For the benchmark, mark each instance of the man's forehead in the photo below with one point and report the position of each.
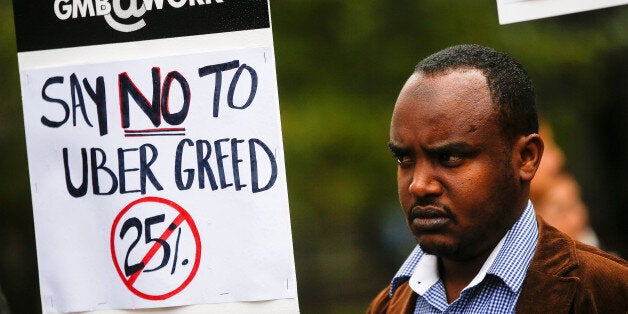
(451, 81)
(448, 106)
(456, 95)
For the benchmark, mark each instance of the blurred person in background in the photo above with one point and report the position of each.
(563, 208)
(464, 131)
(556, 193)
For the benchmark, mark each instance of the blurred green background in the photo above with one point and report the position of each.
(340, 67)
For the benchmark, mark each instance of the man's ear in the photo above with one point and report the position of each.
(528, 151)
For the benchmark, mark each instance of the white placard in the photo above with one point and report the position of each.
(174, 162)
(512, 11)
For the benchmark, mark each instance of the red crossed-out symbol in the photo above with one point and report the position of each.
(156, 268)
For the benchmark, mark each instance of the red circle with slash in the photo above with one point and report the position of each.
(182, 217)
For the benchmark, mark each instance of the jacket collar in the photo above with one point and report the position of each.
(554, 258)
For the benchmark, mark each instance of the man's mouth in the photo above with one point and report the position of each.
(428, 218)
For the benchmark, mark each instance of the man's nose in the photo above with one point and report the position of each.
(424, 181)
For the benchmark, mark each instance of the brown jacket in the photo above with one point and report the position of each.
(564, 276)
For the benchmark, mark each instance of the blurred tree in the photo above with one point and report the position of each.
(18, 267)
(340, 66)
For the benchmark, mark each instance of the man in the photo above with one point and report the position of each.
(464, 133)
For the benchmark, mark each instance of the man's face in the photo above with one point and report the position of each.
(455, 177)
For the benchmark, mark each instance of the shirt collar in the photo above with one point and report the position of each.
(508, 261)
(511, 264)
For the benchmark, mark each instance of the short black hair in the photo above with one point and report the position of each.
(510, 87)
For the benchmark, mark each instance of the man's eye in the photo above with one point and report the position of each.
(404, 160)
(451, 159)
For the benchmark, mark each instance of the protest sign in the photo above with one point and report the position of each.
(512, 11)
(155, 156)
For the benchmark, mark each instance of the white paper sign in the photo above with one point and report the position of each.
(512, 11)
(159, 182)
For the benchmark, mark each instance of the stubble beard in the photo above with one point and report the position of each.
(482, 238)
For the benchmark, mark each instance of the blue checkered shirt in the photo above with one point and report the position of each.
(498, 291)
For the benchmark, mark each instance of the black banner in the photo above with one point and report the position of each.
(72, 23)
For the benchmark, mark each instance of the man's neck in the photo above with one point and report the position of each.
(456, 275)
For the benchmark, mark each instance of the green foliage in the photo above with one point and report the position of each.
(18, 269)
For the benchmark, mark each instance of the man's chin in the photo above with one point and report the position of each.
(440, 248)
